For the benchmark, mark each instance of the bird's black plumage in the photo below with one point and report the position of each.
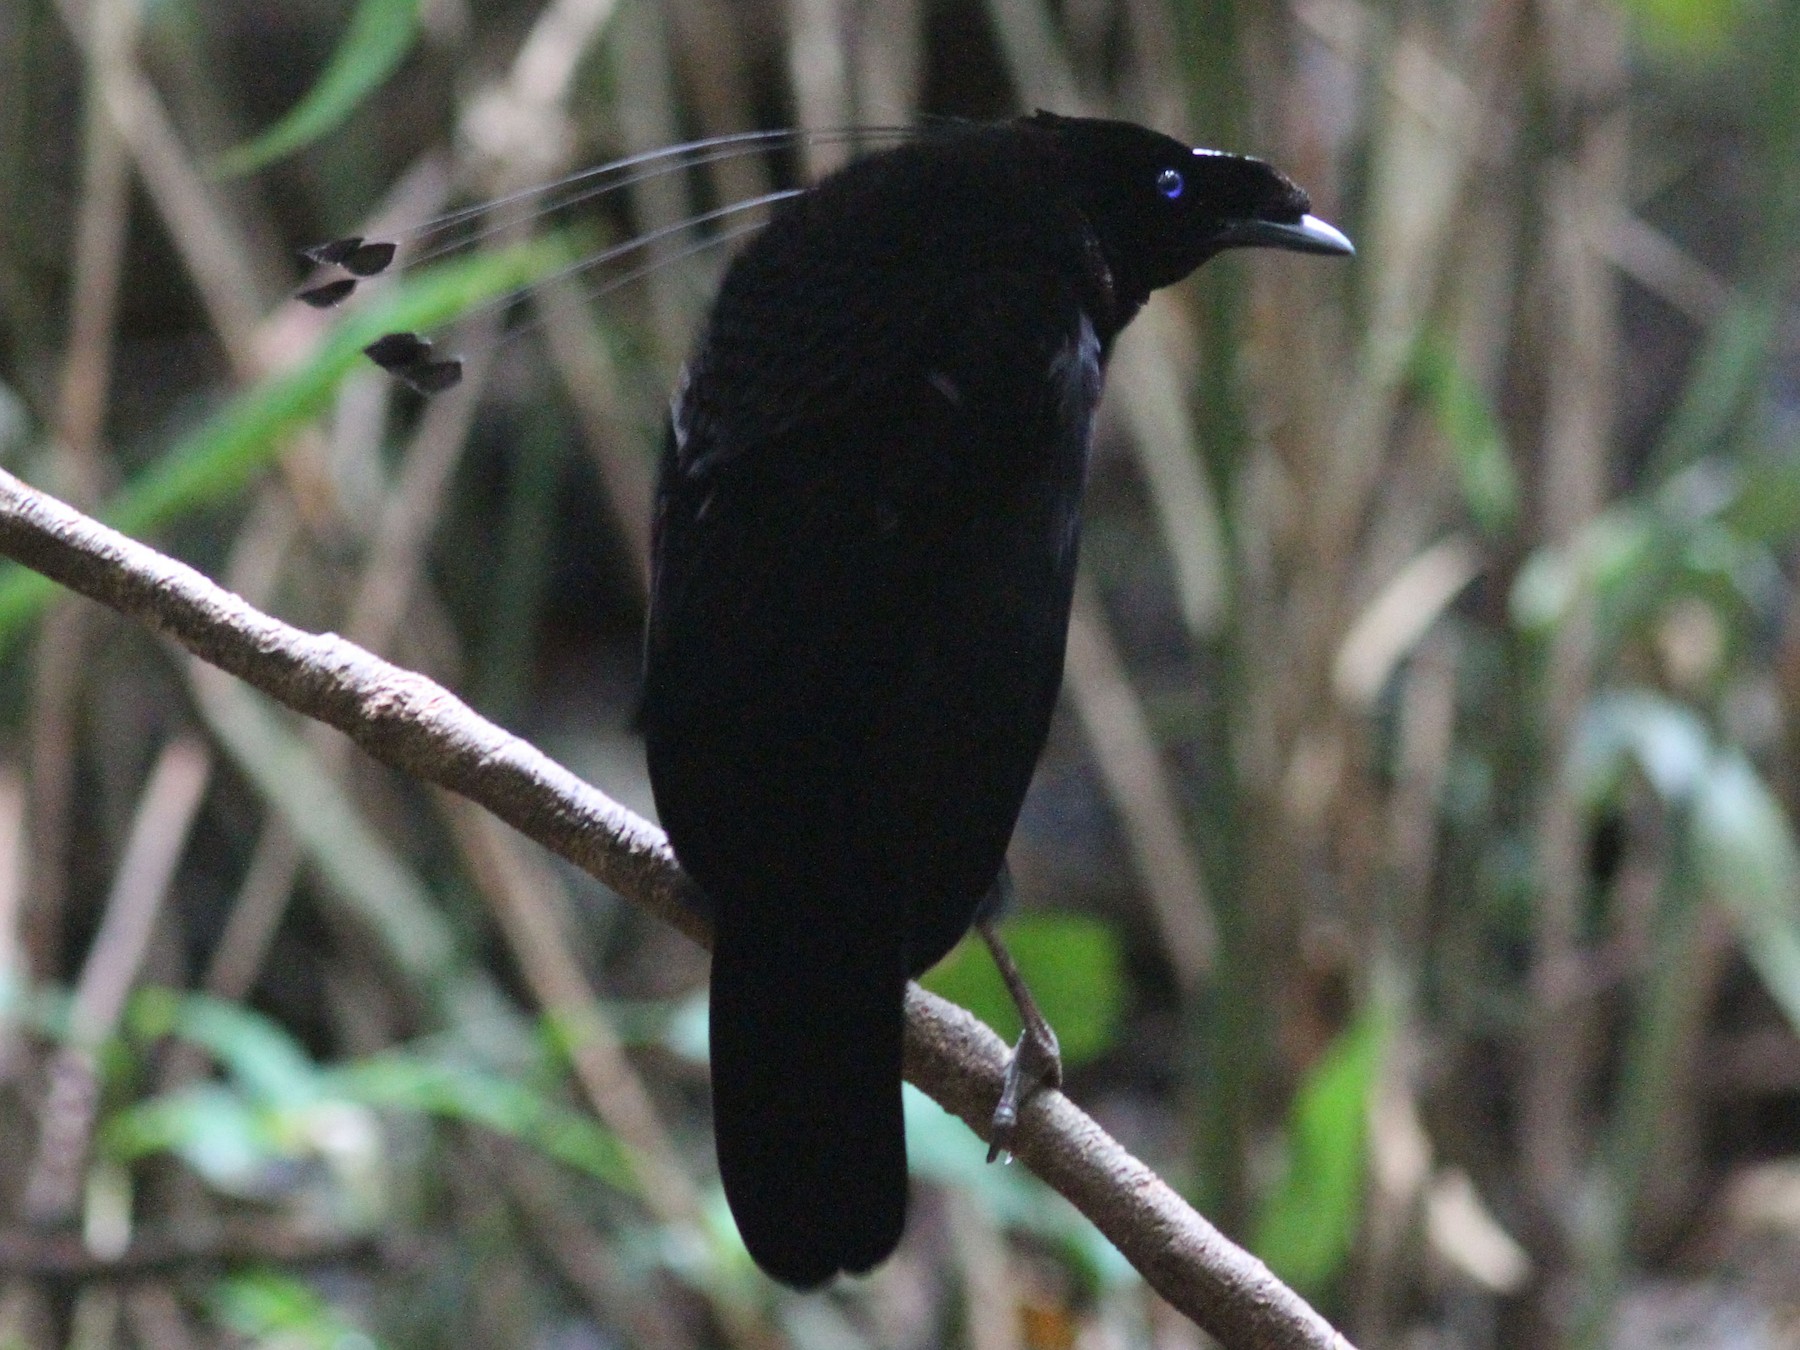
(865, 539)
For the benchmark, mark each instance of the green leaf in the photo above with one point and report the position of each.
(1764, 503)
(1309, 1221)
(280, 1312)
(1071, 964)
(1617, 555)
(380, 34)
(1633, 558)
(1746, 856)
(216, 461)
(1668, 742)
(224, 1138)
(259, 1053)
(1726, 377)
(1692, 28)
(460, 1092)
(1748, 861)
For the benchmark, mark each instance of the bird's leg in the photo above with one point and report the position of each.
(1036, 1060)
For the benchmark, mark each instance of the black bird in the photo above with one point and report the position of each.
(865, 537)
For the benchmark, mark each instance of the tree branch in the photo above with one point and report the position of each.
(405, 720)
(40, 1255)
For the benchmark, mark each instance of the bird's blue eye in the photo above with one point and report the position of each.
(1170, 183)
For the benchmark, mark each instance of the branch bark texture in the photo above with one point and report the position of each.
(415, 725)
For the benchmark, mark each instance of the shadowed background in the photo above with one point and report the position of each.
(1411, 876)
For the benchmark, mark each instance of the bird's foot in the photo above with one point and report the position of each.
(1036, 1061)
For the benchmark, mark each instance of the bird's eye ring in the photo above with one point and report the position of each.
(1170, 183)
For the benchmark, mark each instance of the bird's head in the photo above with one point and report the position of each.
(1160, 208)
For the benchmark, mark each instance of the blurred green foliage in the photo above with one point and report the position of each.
(1566, 814)
(1311, 1216)
(1071, 964)
(378, 37)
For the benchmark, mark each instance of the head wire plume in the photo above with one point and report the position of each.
(411, 357)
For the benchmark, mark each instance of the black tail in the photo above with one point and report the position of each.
(806, 1039)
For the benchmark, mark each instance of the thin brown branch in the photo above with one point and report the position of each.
(98, 265)
(82, 467)
(197, 222)
(590, 378)
(255, 916)
(12, 896)
(156, 1318)
(1130, 762)
(586, 1263)
(523, 895)
(990, 1288)
(59, 668)
(65, 1256)
(159, 833)
(384, 589)
(1563, 1035)
(410, 723)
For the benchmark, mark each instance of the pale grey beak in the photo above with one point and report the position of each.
(1309, 234)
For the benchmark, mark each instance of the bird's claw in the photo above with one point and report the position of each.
(1036, 1061)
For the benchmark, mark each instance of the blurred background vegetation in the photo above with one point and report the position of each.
(1412, 874)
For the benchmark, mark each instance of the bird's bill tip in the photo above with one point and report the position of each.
(1322, 236)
